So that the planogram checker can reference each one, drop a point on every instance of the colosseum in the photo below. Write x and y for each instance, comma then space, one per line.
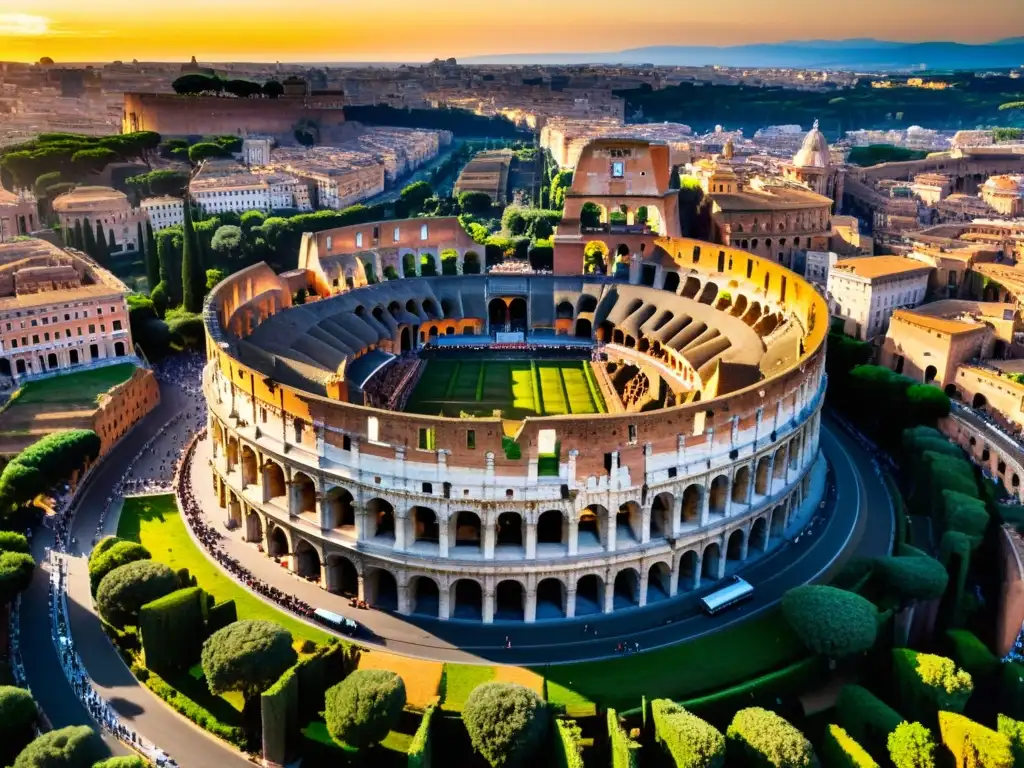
352, 434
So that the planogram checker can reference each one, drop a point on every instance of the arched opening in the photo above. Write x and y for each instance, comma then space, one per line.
470, 263
382, 515
628, 523
590, 531
277, 542
741, 485
584, 329
253, 527
689, 571
661, 515
510, 530
406, 342
930, 373
691, 504
709, 293
1001, 467
979, 401
467, 600
710, 562
509, 601
467, 530
794, 453
551, 528
627, 589
736, 549
498, 315
586, 303
118, 349
307, 561
517, 314
340, 512
424, 525
719, 495
303, 494
383, 590
659, 582
762, 476
778, 528
409, 265
951, 392
249, 466
564, 311
426, 597
19, 367
759, 535
589, 595
550, 599
273, 480
779, 463
671, 282
342, 577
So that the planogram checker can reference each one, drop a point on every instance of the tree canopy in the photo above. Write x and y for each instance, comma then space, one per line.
123, 591
76, 746
363, 708
110, 553
247, 656
506, 723
18, 714
831, 621
912, 578
759, 737
16, 570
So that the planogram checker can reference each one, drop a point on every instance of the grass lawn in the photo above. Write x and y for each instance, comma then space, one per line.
82, 388
451, 387
397, 743
459, 681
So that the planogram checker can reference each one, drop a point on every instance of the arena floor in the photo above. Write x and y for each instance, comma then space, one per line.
517, 388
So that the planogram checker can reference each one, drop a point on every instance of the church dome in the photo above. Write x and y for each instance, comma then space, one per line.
814, 152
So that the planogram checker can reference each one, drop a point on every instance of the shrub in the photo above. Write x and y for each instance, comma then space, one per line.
247, 656
964, 513
911, 578
1011, 689
842, 751
197, 714
971, 654
759, 737
569, 747
690, 741
961, 735
911, 746
18, 713
866, 718
127, 761
420, 748
625, 751
116, 554
102, 546
363, 708
927, 683
73, 747
124, 590
831, 621
172, 630
1014, 731
16, 570
220, 615
13, 542
506, 723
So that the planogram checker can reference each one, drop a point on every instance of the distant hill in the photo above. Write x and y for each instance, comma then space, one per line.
857, 54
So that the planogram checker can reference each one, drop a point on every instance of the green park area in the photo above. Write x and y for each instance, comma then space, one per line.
516, 388
80, 388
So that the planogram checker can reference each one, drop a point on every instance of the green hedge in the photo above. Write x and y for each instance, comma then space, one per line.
760, 690
568, 744
114, 554
830, 621
326, 667
971, 654
955, 554
197, 714
625, 751
421, 747
220, 615
867, 719
964, 513
909, 578
926, 684
840, 750
14, 542
279, 709
993, 747
1013, 730
691, 742
172, 630
1011, 689
911, 746
759, 738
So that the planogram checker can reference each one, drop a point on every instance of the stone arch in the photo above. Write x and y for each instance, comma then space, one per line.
273, 480
381, 516
584, 328
509, 531
659, 582
692, 497
250, 464
303, 494
466, 530
253, 526
689, 570
340, 508
424, 596
342, 576
278, 541
759, 535
736, 548
231, 450
564, 310
929, 374
778, 525
979, 401
709, 293
794, 452
719, 495
741, 485
586, 303
381, 589
691, 287
710, 561
467, 600
589, 595
762, 478
661, 515
307, 560
509, 601
779, 463
550, 599
626, 589
671, 282
423, 525
552, 528
593, 526
628, 522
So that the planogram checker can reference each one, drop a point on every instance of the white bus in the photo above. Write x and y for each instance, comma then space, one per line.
336, 622
734, 592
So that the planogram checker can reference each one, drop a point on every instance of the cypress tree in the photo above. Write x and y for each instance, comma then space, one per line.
192, 278
89, 239
77, 237
150, 257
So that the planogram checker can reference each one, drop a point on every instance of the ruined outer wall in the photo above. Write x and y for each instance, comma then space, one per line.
124, 406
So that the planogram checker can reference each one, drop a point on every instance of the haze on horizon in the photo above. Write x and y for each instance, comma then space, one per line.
352, 31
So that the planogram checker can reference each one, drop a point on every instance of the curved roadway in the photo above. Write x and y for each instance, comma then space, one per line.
862, 517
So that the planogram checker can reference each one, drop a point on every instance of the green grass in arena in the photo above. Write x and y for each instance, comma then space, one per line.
480, 387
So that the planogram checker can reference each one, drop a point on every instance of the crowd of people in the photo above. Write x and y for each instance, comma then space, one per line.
516, 267
390, 386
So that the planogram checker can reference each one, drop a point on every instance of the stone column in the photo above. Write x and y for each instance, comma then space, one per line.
722, 560
403, 598
531, 540
642, 597
728, 495
673, 582
705, 504
359, 518
571, 480
489, 526
360, 587
531, 605
645, 525
323, 577
325, 522
488, 606
743, 548
443, 597
400, 532
611, 530
570, 603
609, 596
574, 530
676, 523
442, 537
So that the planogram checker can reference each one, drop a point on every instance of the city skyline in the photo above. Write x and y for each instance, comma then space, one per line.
69, 31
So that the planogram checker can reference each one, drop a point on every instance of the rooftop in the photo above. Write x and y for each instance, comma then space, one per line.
872, 267
769, 198
82, 195
45, 298
932, 323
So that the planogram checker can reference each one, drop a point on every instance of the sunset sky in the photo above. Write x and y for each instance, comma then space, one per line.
413, 30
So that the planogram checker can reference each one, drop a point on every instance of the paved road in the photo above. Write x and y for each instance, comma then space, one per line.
663, 623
